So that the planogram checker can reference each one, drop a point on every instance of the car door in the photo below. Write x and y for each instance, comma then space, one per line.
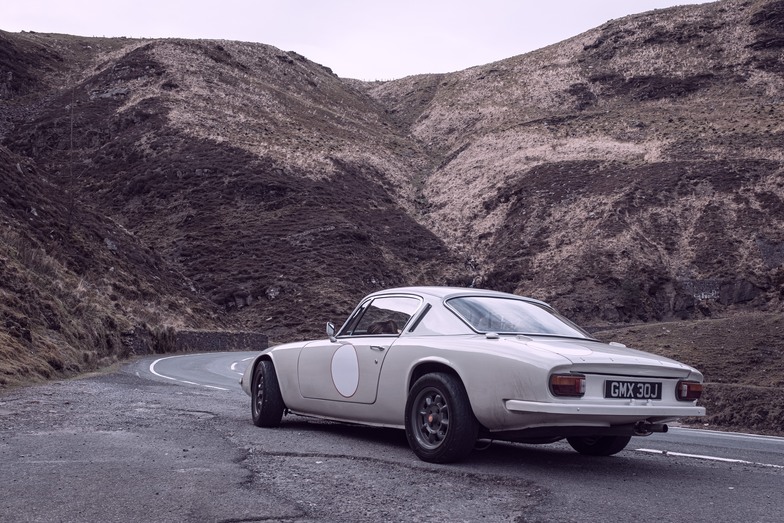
348, 370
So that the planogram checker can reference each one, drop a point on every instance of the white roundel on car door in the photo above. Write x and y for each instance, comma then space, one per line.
345, 370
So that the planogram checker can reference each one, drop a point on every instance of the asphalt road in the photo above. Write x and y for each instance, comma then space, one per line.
171, 440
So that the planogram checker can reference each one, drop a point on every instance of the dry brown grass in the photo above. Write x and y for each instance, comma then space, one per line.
54, 325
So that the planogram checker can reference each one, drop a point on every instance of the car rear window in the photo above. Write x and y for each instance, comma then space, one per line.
504, 315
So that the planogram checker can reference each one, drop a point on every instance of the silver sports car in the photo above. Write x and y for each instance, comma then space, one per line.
452, 366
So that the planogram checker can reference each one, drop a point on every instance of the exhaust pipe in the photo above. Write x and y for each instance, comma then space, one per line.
646, 428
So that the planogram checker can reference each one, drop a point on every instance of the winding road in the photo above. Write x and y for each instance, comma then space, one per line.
169, 439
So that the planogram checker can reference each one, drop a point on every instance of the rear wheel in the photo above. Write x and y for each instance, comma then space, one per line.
440, 425
599, 445
266, 402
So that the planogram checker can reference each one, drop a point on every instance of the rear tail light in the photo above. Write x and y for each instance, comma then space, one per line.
688, 390
567, 385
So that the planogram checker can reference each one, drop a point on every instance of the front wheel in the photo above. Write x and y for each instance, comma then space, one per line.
266, 402
599, 445
440, 425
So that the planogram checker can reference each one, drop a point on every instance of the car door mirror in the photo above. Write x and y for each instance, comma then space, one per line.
331, 331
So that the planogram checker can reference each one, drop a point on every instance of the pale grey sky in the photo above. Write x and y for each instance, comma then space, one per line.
365, 39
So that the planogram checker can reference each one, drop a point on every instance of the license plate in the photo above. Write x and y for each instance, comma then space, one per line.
638, 390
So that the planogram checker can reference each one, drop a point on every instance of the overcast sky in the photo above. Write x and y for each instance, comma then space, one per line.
365, 39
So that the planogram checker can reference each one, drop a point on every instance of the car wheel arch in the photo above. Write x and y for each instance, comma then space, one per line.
423, 368
265, 356
251, 368
430, 366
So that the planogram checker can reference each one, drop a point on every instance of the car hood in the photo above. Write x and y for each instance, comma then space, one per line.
598, 357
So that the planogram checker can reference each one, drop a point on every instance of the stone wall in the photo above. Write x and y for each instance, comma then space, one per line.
210, 341
143, 340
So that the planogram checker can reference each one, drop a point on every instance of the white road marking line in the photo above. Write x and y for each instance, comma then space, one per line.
234, 365
154, 363
709, 458
727, 434
153, 371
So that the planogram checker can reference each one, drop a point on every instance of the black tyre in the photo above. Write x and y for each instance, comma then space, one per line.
266, 403
440, 425
599, 445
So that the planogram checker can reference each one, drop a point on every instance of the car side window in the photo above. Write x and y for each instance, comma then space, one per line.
386, 315
351, 323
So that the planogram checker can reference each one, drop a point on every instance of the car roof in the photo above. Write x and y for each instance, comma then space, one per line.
442, 293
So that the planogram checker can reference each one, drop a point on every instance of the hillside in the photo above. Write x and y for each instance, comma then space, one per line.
631, 174
75, 284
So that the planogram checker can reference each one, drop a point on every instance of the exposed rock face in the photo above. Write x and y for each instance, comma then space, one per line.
631, 173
